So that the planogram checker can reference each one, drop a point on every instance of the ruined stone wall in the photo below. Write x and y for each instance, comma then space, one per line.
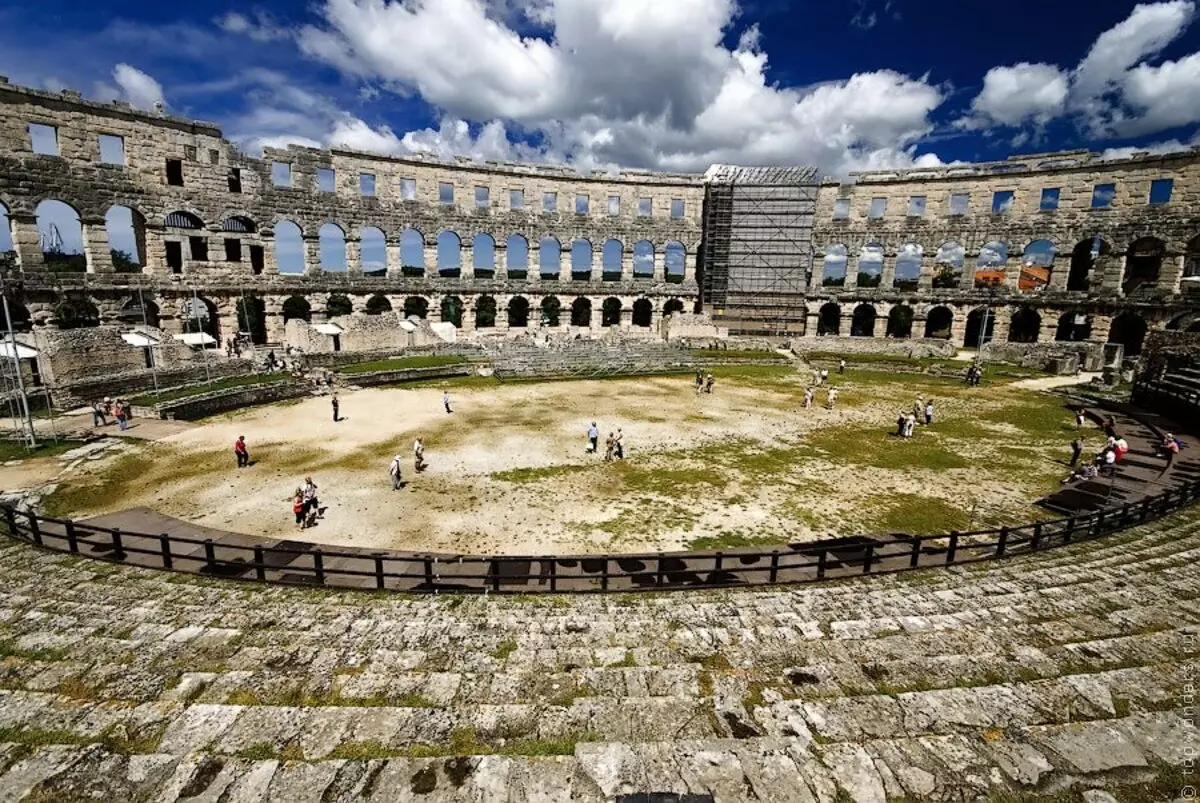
692, 326
70, 355
362, 333
914, 348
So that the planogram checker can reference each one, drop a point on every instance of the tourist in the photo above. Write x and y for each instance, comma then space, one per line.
910, 424
699, 379
98, 419
242, 453
122, 413
609, 445
1121, 447
298, 509
808, 397
928, 412
901, 423
394, 473
334, 401
1087, 472
709, 381
816, 377
418, 456
1169, 448
1076, 451
824, 375
593, 434
108, 411
832, 397
842, 365
918, 409
271, 360
311, 505
618, 447
1080, 417
446, 401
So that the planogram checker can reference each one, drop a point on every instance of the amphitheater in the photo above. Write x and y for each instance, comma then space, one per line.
1053, 659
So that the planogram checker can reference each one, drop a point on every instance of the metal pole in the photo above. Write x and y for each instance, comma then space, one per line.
12, 341
153, 359
199, 326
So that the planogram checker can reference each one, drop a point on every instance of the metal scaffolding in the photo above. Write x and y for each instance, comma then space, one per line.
758, 247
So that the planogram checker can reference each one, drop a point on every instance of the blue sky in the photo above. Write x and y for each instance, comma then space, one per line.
843, 84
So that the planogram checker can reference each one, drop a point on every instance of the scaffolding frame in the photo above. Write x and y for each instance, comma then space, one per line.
758, 248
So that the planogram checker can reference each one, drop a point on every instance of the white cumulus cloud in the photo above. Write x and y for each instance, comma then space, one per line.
1023, 93
142, 91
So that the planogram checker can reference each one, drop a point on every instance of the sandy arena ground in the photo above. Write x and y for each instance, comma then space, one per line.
744, 465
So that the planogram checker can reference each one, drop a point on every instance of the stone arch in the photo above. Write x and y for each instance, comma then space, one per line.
22, 321
377, 305
581, 260
181, 219
672, 306
297, 308
1128, 329
939, 323
1191, 262
372, 252
643, 312
6, 239
452, 310
989, 265
125, 228
1073, 327
412, 253
1037, 264
610, 257
339, 304
485, 312
77, 312
610, 312
289, 247
449, 254
518, 312
581, 312
483, 255
862, 321
238, 224
948, 265
908, 267
1143, 264
136, 309
643, 259
976, 327
836, 264
1024, 326
829, 319
199, 314
517, 257
551, 311
549, 258
1083, 259
674, 261
61, 231
416, 307
252, 318
331, 241
900, 321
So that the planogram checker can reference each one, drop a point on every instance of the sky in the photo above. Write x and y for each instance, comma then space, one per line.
674, 85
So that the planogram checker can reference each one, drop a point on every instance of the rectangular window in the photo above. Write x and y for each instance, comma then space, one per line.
281, 174
233, 250
582, 204
516, 199
676, 208
175, 172
960, 202
408, 189
112, 150
645, 207
916, 206
1102, 196
483, 198
189, 153
235, 179
841, 209
326, 179
1160, 191
174, 255
44, 139
1049, 199
445, 192
614, 204
257, 259
1002, 202
366, 185
199, 248
549, 201
877, 209
214, 156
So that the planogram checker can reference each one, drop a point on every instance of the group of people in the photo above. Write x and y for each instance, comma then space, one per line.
921, 413
974, 374
117, 409
419, 465
810, 394
704, 382
305, 505
614, 444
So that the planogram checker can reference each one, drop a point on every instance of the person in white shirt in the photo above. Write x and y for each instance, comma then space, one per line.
418, 455
394, 473
446, 401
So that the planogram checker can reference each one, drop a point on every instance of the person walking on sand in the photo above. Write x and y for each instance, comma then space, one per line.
833, 394
1080, 417
593, 435
842, 365
1076, 451
824, 375
618, 447
609, 445
394, 473
418, 456
808, 397
122, 413
446, 401
709, 381
311, 505
98, 419
334, 402
298, 508
242, 453
928, 412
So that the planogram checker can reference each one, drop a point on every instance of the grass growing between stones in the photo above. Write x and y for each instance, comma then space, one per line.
466, 742
228, 383
401, 363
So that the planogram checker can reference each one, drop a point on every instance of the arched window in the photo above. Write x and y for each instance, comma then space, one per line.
551, 309
452, 309
829, 320
581, 260
1074, 327
518, 257
297, 308
610, 312
289, 247
1083, 259
675, 261
643, 312
518, 313
485, 312
870, 265
412, 253
183, 220
908, 267
1036, 264
332, 242
611, 260
550, 256
581, 312
6, 241
483, 256
1025, 326
238, 225
79, 313
948, 265
126, 230
1143, 264
672, 307
1128, 329
449, 254
252, 318
62, 237
836, 257
939, 323
989, 265
977, 333
200, 315
1191, 261
862, 322
643, 259
338, 304
377, 305
899, 322
373, 251
416, 307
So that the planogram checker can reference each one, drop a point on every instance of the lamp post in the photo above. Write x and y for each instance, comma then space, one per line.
987, 308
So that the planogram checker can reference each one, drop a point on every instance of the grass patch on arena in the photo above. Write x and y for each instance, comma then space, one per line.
228, 383
17, 450
912, 513
881, 448
401, 363
536, 474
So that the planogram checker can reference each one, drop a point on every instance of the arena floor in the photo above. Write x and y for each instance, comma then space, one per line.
508, 473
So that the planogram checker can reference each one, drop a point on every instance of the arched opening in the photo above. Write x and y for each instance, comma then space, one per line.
989, 265
1037, 263
836, 259
672, 306
332, 243
517, 264
200, 315
643, 259
862, 321
1143, 264
549, 259
610, 312
976, 329
643, 312
675, 261
449, 254
183, 220
452, 310
416, 307
610, 258
829, 320
289, 247
136, 310
551, 310
338, 304
1083, 259
1128, 329
483, 256
1191, 264
238, 224
79, 313
1024, 326
908, 267
1074, 327
126, 230
485, 312
518, 313
377, 305
61, 236
297, 308
581, 261
870, 265
939, 323
373, 251
581, 312
21, 319
948, 265
8, 253
252, 319
900, 321
412, 253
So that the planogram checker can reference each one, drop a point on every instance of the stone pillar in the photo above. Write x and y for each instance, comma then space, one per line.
501, 324
1003, 317
434, 315
851, 282
533, 263
430, 260
95, 246
818, 274
627, 265
812, 320
1012, 273
354, 266
1060, 271
958, 327
597, 265
924, 278
1049, 326
626, 314
312, 256
27, 241
689, 266
887, 276
466, 257
1101, 326
1171, 273
1108, 272
656, 317
468, 315
270, 260
660, 265
881, 320
273, 319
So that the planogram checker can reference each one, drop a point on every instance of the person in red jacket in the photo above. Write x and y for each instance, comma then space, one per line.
242, 453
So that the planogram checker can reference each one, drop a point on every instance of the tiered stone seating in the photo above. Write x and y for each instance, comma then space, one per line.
520, 358
1061, 670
